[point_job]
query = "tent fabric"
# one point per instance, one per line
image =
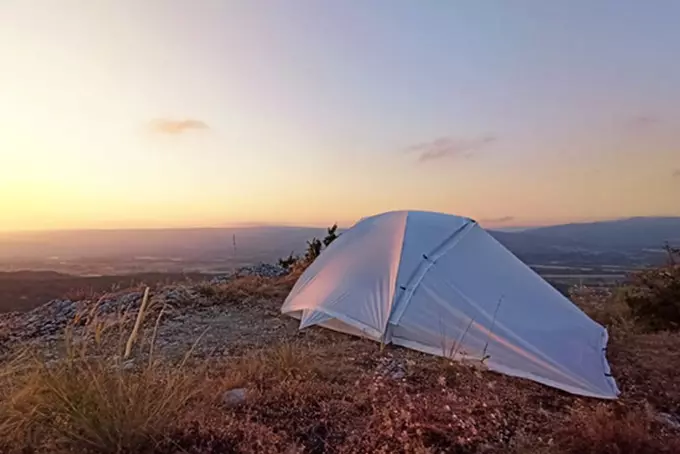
(440, 284)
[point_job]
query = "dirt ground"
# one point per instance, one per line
(318, 391)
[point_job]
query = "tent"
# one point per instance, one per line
(441, 284)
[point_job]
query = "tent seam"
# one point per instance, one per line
(393, 286)
(411, 287)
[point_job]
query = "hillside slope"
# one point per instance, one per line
(253, 383)
(627, 242)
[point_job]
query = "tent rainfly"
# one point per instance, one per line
(441, 284)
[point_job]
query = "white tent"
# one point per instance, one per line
(440, 284)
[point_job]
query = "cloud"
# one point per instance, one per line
(642, 122)
(501, 220)
(450, 147)
(167, 126)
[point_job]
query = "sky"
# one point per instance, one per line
(123, 114)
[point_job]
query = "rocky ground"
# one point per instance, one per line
(192, 318)
(278, 389)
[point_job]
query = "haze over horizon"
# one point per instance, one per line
(167, 114)
(492, 224)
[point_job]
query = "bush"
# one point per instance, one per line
(654, 295)
(314, 248)
(288, 262)
(606, 307)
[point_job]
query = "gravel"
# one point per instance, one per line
(190, 319)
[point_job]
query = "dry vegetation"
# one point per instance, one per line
(324, 392)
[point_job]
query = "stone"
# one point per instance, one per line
(261, 270)
(398, 374)
(234, 397)
(668, 419)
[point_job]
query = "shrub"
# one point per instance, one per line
(606, 307)
(314, 248)
(331, 236)
(653, 295)
(289, 261)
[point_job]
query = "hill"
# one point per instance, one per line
(627, 242)
(254, 243)
(621, 244)
(217, 368)
(632, 233)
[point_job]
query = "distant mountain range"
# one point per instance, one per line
(238, 243)
(635, 241)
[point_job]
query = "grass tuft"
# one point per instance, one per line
(90, 400)
(612, 430)
(92, 405)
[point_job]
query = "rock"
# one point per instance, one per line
(262, 270)
(223, 279)
(234, 397)
(668, 419)
(119, 302)
(398, 374)
(391, 367)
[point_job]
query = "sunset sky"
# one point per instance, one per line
(207, 113)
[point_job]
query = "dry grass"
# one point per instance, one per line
(90, 401)
(613, 430)
(318, 392)
(247, 290)
(607, 307)
(92, 406)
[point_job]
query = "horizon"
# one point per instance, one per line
(485, 225)
(176, 115)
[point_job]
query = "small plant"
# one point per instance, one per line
(653, 295)
(488, 337)
(672, 254)
(206, 290)
(314, 248)
(331, 236)
(289, 261)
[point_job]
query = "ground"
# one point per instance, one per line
(256, 384)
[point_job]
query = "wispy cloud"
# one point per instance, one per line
(450, 147)
(501, 220)
(168, 126)
(642, 122)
